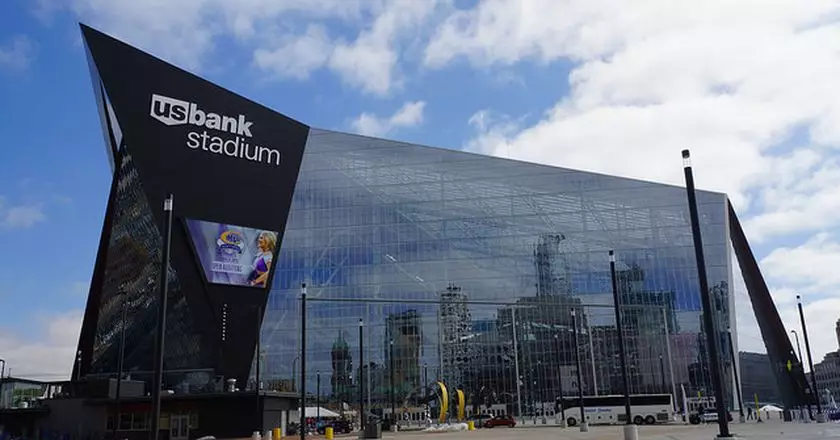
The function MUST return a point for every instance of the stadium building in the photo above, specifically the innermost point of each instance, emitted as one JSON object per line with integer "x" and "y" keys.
{"x": 464, "y": 268}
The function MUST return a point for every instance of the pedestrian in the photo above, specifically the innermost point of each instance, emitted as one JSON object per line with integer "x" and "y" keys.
{"x": 749, "y": 413}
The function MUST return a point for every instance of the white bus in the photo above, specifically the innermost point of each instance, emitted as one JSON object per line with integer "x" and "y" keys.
{"x": 645, "y": 409}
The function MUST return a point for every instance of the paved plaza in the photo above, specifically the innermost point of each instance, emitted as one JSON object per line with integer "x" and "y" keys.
{"x": 771, "y": 430}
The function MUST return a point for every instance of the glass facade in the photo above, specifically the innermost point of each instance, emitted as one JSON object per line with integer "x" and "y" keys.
{"x": 471, "y": 265}
{"x": 131, "y": 279}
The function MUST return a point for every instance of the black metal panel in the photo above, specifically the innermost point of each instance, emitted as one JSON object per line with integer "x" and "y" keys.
{"x": 168, "y": 119}
{"x": 792, "y": 382}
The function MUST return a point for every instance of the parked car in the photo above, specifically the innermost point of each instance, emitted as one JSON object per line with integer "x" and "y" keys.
{"x": 480, "y": 419}
{"x": 343, "y": 426}
{"x": 504, "y": 420}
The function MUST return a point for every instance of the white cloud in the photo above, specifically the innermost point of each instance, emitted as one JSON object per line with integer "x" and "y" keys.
{"x": 186, "y": 32}
{"x": 16, "y": 54}
{"x": 721, "y": 78}
{"x": 409, "y": 115}
{"x": 20, "y": 216}
{"x": 296, "y": 57}
{"x": 45, "y": 349}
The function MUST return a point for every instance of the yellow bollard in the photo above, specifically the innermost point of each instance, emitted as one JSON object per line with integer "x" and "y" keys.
{"x": 276, "y": 434}
{"x": 328, "y": 433}
{"x": 471, "y": 426}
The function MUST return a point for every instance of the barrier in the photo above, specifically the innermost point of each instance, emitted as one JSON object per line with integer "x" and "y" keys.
{"x": 277, "y": 434}
{"x": 328, "y": 433}
{"x": 471, "y": 426}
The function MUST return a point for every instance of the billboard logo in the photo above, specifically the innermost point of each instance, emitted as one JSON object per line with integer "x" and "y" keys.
{"x": 171, "y": 112}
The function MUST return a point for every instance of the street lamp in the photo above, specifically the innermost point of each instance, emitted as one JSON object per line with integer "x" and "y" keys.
{"x": 631, "y": 431}
{"x": 814, "y": 391}
{"x": 584, "y": 425}
{"x": 362, "y": 373}
{"x": 708, "y": 310}
{"x": 393, "y": 391}
{"x": 157, "y": 381}
{"x": 560, "y": 383}
{"x": 303, "y": 361}
{"x": 318, "y": 398}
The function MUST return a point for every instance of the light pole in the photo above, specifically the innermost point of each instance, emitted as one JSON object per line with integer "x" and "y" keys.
{"x": 318, "y": 398}
{"x": 631, "y": 431}
{"x": 560, "y": 382}
{"x": 393, "y": 390}
{"x": 362, "y": 373}
{"x": 584, "y": 425}
{"x": 708, "y": 310}
{"x": 814, "y": 392}
{"x": 303, "y": 427}
{"x": 258, "y": 334}
{"x": 120, "y": 368}
{"x": 161, "y": 318}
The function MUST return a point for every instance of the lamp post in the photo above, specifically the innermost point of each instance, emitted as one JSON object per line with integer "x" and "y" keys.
{"x": 318, "y": 398}
{"x": 560, "y": 382}
{"x": 120, "y": 369}
{"x": 708, "y": 310}
{"x": 362, "y": 374}
{"x": 157, "y": 382}
{"x": 393, "y": 390}
{"x": 258, "y": 334}
{"x": 631, "y": 431}
{"x": 814, "y": 392}
{"x": 584, "y": 425}
{"x": 303, "y": 361}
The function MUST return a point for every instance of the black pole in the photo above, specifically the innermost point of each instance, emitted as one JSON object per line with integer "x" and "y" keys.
{"x": 622, "y": 355}
{"x": 257, "y": 370}
{"x": 425, "y": 377}
{"x": 737, "y": 381}
{"x": 560, "y": 379}
{"x": 708, "y": 310}
{"x": 303, "y": 427}
{"x": 362, "y": 373}
{"x": 577, "y": 361}
{"x": 157, "y": 383}
{"x": 393, "y": 390}
{"x": 318, "y": 398}
{"x": 120, "y": 368}
{"x": 814, "y": 390}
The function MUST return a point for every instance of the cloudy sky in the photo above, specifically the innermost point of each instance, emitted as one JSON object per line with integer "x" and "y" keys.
{"x": 615, "y": 86}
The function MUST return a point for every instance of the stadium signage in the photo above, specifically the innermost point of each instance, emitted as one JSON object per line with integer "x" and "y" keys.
{"x": 229, "y": 136}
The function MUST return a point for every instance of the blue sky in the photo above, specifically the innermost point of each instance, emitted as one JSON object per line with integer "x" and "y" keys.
{"x": 590, "y": 84}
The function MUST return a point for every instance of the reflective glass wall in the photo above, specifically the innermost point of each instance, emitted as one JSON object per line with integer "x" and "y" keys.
{"x": 466, "y": 268}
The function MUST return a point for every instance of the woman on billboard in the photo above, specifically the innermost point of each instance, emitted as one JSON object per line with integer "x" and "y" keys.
{"x": 266, "y": 242}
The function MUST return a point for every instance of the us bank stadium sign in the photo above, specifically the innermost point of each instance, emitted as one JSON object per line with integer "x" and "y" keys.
{"x": 228, "y": 135}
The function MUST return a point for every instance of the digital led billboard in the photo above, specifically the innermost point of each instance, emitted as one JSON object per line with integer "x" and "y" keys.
{"x": 231, "y": 254}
